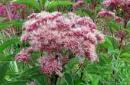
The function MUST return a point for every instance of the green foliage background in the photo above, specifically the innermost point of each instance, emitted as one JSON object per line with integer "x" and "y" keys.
{"x": 113, "y": 67}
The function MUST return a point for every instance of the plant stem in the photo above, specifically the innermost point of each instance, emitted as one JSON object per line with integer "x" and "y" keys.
{"x": 8, "y": 12}
{"x": 53, "y": 79}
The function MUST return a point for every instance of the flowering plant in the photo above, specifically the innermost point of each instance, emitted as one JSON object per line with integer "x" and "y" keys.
{"x": 54, "y": 32}
{"x": 79, "y": 42}
{"x": 12, "y": 10}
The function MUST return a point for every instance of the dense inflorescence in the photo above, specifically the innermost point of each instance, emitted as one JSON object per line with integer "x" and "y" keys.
{"x": 105, "y": 13}
{"x": 120, "y": 7}
{"x": 12, "y": 10}
{"x": 53, "y": 32}
{"x": 22, "y": 56}
{"x": 109, "y": 14}
{"x": 49, "y": 65}
{"x": 117, "y": 3}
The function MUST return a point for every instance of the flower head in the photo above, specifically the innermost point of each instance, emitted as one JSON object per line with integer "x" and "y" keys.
{"x": 11, "y": 10}
{"x": 105, "y": 13}
{"x": 50, "y": 65}
{"x": 52, "y": 32}
{"x": 22, "y": 56}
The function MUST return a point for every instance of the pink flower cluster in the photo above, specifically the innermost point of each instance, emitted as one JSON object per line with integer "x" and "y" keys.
{"x": 105, "y": 13}
{"x": 113, "y": 3}
{"x": 22, "y": 56}
{"x": 116, "y": 3}
{"x": 53, "y": 32}
{"x": 109, "y": 14}
{"x": 11, "y": 10}
{"x": 50, "y": 65}
{"x": 119, "y": 5}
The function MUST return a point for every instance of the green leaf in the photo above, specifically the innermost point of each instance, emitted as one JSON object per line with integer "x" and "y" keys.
{"x": 13, "y": 23}
{"x": 114, "y": 26}
{"x": 9, "y": 43}
{"x": 108, "y": 43}
{"x": 72, "y": 65}
{"x": 62, "y": 5}
{"x": 3, "y": 70}
{"x": 42, "y": 3}
{"x": 4, "y": 25}
{"x": 125, "y": 54}
{"x": 89, "y": 1}
{"x": 29, "y": 3}
{"x": 95, "y": 79}
{"x": 6, "y": 58}
{"x": 128, "y": 24}
{"x": 17, "y": 23}
{"x": 41, "y": 79}
{"x": 18, "y": 82}
{"x": 31, "y": 71}
{"x": 69, "y": 79}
